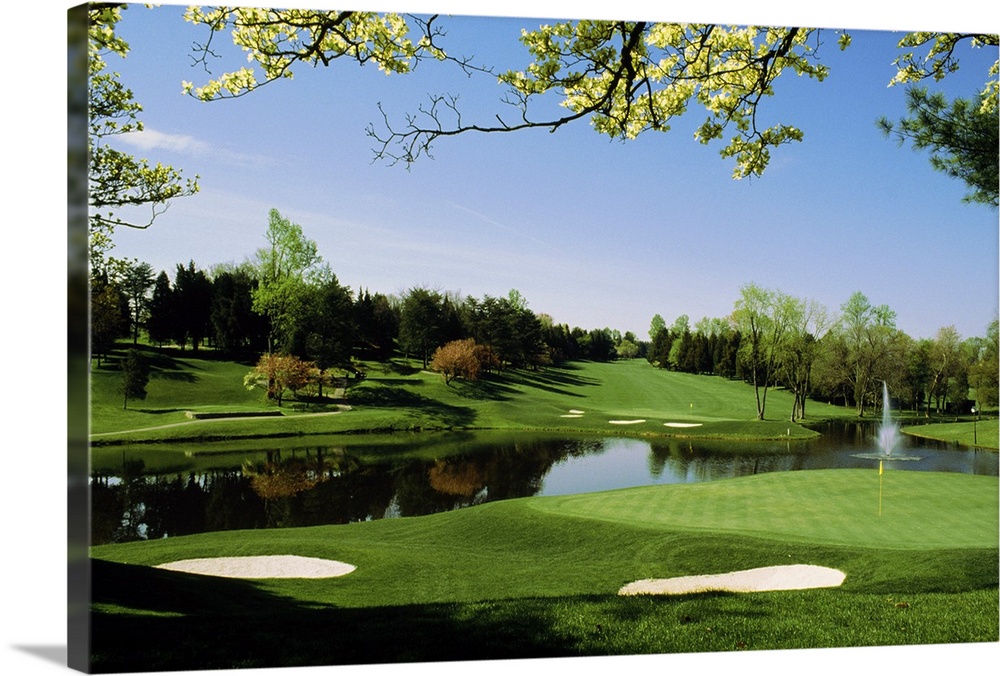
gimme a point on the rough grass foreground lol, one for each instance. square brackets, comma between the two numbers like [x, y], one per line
[539, 577]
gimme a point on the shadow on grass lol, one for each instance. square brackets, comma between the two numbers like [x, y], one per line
[490, 388]
[399, 368]
[174, 376]
[556, 380]
[153, 620]
[177, 621]
[504, 386]
[398, 398]
[395, 381]
[163, 364]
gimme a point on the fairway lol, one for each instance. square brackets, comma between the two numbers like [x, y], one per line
[625, 397]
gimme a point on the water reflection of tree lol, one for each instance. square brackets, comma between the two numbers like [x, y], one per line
[685, 461]
[514, 469]
[322, 485]
[278, 479]
[134, 507]
[118, 507]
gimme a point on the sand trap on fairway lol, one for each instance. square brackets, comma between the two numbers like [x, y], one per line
[571, 415]
[259, 567]
[626, 422]
[682, 424]
[576, 411]
[771, 578]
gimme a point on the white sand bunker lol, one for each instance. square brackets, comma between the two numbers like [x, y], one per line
[626, 422]
[571, 415]
[259, 567]
[673, 424]
[771, 578]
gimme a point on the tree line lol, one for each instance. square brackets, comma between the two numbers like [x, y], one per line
[772, 339]
[285, 301]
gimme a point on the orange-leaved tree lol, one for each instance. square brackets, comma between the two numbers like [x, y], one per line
[275, 373]
[462, 359]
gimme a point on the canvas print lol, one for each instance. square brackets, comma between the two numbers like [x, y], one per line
[421, 338]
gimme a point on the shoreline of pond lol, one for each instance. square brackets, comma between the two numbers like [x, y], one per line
[345, 478]
[804, 432]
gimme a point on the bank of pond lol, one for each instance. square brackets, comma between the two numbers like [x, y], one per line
[153, 491]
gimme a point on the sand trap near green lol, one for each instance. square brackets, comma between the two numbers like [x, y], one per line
[262, 567]
[768, 578]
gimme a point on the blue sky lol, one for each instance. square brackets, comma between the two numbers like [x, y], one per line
[591, 231]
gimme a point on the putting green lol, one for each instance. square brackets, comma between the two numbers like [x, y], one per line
[919, 510]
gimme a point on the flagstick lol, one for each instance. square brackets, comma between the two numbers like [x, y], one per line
[880, 488]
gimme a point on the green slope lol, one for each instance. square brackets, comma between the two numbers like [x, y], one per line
[580, 396]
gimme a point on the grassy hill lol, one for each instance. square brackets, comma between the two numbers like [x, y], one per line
[621, 397]
[538, 577]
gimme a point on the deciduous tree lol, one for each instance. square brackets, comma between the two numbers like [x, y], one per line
[109, 314]
[624, 77]
[283, 269]
[325, 331]
[276, 373]
[765, 319]
[461, 359]
[945, 363]
[799, 353]
[984, 373]
[118, 182]
[869, 334]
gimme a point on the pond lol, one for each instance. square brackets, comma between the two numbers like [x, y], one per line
[148, 492]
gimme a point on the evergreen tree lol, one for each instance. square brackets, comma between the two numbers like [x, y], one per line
[135, 376]
[137, 280]
[377, 325]
[235, 325]
[422, 323]
[193, 305]
[159, 323]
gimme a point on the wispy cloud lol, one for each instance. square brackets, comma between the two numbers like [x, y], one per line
[150, 139]
[502, 226]
[184, 144]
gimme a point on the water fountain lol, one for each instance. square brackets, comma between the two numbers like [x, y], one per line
[888, 434]
[888, 431]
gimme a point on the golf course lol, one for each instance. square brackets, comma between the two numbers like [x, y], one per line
[618, 397]
[539, 576]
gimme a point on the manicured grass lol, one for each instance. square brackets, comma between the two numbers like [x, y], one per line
[982, 434]
[839, 507]
[400, 396]
[179, 382]
[538, 577]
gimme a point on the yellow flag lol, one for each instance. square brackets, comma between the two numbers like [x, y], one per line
[880, 468]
